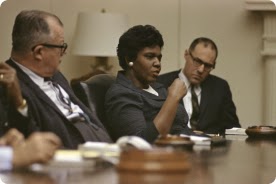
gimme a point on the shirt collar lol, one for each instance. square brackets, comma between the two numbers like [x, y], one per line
[182, 77]
[34, 77]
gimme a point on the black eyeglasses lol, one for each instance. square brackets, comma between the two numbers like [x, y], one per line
[63, 47]
[198, 62]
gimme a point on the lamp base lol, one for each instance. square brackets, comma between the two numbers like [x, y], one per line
[101, 66]
[101, 63]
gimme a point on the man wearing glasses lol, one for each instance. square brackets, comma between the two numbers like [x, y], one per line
[208, 101]
[15, 150]
[38, 45]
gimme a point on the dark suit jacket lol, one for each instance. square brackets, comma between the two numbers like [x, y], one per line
[45, 115]
[7, 110]
[130, 111]
[3, 110]
[217, 109]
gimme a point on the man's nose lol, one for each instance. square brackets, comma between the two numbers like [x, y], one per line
[201, 68]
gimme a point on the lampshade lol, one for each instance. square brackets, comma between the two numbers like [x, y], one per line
[97, 34]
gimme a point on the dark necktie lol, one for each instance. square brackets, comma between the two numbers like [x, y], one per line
[195, 113]
[65, 102]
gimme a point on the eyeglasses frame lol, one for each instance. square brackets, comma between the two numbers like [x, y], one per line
[63, 47]
[207, 66]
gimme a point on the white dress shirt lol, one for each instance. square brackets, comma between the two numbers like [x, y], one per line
[48, 88]
[187, 99]
[151, 90]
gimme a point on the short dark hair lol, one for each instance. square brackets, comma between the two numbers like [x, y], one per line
[134, 40]
[206, 41]
[31, 28]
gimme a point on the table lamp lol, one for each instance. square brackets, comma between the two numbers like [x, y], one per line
[97, 35]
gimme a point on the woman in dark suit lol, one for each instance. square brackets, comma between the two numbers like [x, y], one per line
[135, 104]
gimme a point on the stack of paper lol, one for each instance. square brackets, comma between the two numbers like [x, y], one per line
[235, 131]
[199, 140]
[66, 159]
[99, 150]
[70, 158]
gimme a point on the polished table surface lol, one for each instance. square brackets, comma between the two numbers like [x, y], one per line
[240, 161]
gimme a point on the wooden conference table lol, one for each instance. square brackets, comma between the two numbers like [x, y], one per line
[240, 161]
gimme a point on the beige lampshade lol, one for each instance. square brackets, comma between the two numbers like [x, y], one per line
[97, 34]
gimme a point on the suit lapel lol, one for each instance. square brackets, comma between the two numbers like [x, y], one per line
[27, 84]
[205, 97]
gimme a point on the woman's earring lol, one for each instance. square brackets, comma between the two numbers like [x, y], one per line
[130, 64]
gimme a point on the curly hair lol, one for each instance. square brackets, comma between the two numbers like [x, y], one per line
[134, 40]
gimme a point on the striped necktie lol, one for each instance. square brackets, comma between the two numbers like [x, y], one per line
[65, 102]
[195, 113]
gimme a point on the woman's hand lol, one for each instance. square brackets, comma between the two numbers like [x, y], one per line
[177, 90]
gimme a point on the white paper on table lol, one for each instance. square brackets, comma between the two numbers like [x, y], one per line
[198, 140]
[235, 131]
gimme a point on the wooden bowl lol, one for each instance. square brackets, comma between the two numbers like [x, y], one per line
[175, 141]
[154, 160]
[267, 132]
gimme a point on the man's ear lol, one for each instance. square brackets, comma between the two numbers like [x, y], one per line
[38, 52]
[186, 54]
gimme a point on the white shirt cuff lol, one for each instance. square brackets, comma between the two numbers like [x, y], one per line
[6, 155]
